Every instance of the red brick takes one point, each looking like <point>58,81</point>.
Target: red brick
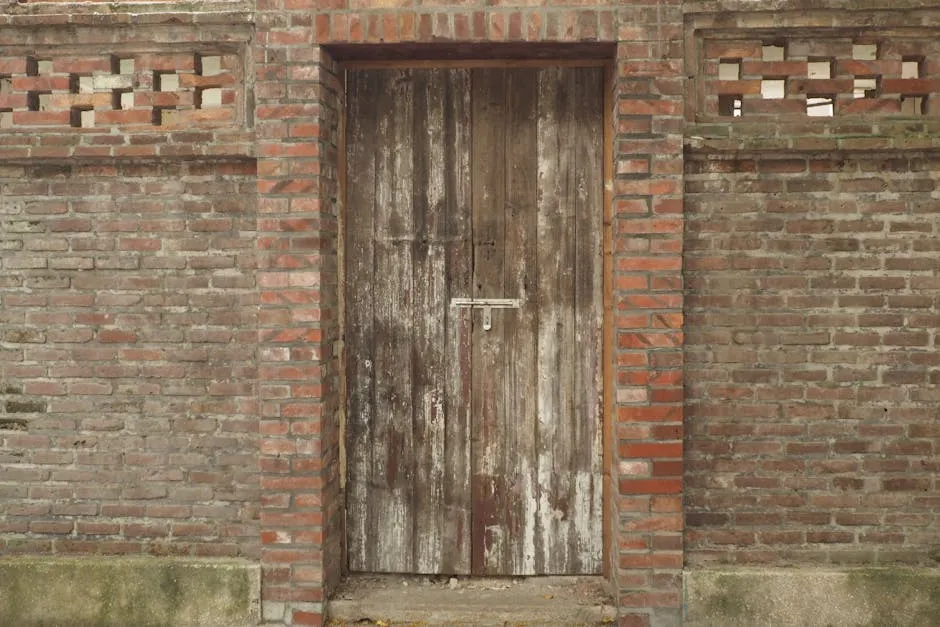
<point>650,486</point>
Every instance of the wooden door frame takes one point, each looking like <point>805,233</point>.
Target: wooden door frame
<point>607,339</point>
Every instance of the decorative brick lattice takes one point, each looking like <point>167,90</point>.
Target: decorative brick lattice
<point>103,91</point>
<point>820,77</point>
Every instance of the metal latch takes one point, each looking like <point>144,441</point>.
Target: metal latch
<point>487,304</point>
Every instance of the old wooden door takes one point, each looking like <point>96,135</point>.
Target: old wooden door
<point>473,325</point>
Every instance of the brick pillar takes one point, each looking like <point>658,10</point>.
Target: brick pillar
<point>647,300</point>
<point>298,105</point>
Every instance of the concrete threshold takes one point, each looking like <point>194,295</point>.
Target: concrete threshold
<point>441,600</point>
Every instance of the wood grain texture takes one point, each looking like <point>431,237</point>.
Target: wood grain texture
<point>441,351</point>
<point>569,384</point>
<point>492,531</point>
<point>504,184</point>
<point>360,354</point>
<point>408,358</point>
<point>475,450</point>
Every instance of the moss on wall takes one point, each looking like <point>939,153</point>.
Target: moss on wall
<point>897,594</point>
<point>128,591</point>
<point>805,597</point>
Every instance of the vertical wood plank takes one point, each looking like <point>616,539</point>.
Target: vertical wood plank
<point>441,271</point>
<point>607,352</point>
<point>360,357</point>
<point>585,541</point>
<point>393,453</point>
<point>490,541</point>
<point>520,327</point>
<point>391,481</point>
<point>569,215</point>
<point>458,347</point>
<point>555,259</point>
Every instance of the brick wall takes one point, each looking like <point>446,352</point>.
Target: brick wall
<point>128,411</point>
<point>812,366</point>
<point>212,314</point>
<point>171,311</point>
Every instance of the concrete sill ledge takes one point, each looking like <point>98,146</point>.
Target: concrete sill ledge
<point>138,591</point>
<point>393,599</point>
<point>806,597</point>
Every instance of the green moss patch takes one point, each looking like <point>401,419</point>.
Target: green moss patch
<point>128,591</point>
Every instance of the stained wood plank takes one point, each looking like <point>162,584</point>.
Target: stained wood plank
<point>504,357</point>
<point>490,539</point>
<point>441,350</point>
<point>585,541</point>
<point>569,426</point>
<point>520,327</point>
<point>458,349</point>
<point>408,243</point>
<point>360,267</point>
<point>389,492</point>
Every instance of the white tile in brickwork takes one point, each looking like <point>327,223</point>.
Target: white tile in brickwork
<point>773,88</point>
<point>910,69</point>
<point>210,66</point>
<point>210,98</point>
<point>729,70</point>
<point>865,87</point>
<point>820,106</point>
<point>772,53</point>
<point>819,70</point>
<point>169,82</point>
<point>865,52</point>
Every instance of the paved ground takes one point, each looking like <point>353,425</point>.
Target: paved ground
<point>415,600</point>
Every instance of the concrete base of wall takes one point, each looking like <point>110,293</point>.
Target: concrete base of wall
<point>812,598</point>
<point>128,591</point>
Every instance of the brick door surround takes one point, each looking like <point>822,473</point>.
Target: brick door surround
<point>299,108</point>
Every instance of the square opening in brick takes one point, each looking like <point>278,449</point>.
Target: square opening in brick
<point>209,98</point>
<point>913,105</point>
<point>82,117</point>
<point>865,52</point>
<point>730,105</point>
<point>773,88</point>
<point>164,116</point>
<point>773,52</point>
<point>208,65</point>
<point>820,106</point>
<point>38,100</point>
<point>166,81</point>
<point>36,66</point>
<point>819,69</point>
<point>729,70</point>
<point>865,87</point>
<point>122,99</point>
<point>81,84</point>
<point>6,118</point>
<point>912,67</point>
<point>122,65</point>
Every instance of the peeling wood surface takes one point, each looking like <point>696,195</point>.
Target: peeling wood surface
<point>473,450</point>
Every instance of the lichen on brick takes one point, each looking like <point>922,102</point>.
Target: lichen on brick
<point>24,406</point>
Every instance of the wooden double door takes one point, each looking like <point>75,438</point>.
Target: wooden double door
<point>473,325</point>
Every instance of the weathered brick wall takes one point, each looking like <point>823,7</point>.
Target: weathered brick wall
<point>812,365</point>
<point>128,408</point>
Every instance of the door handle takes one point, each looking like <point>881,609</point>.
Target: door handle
<point>487,304</point>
